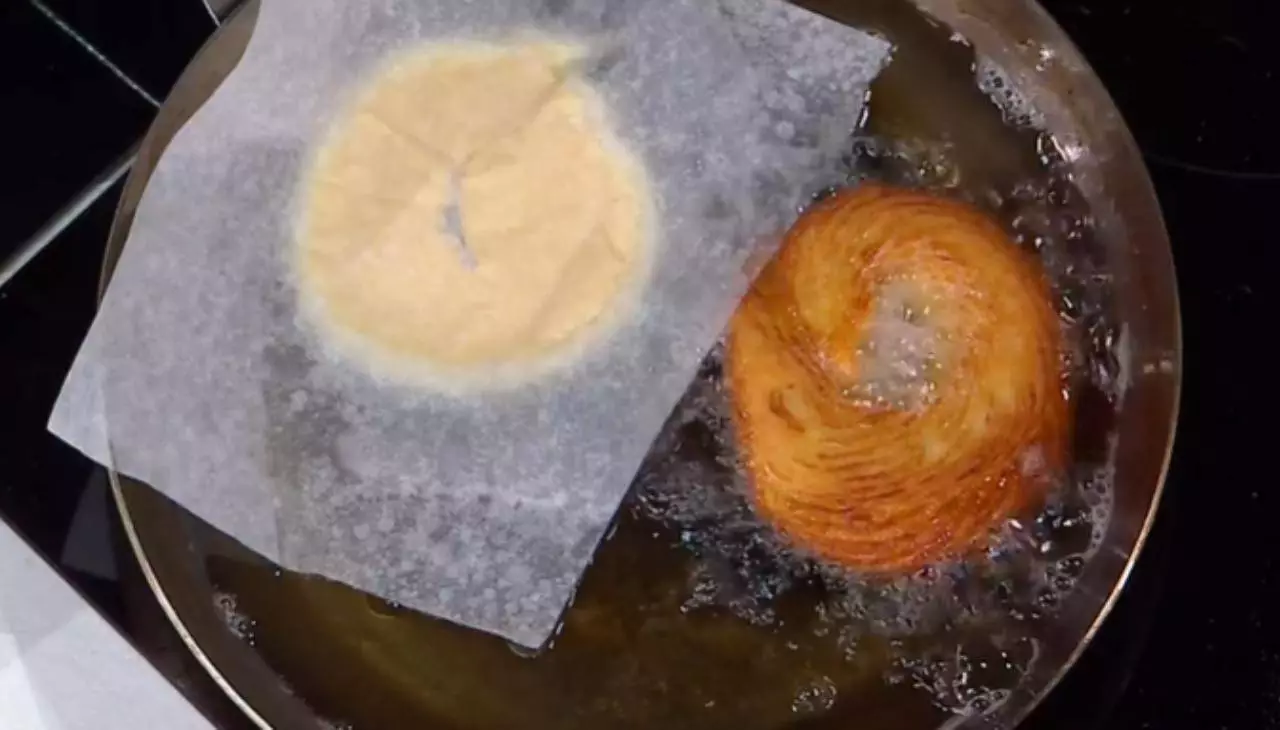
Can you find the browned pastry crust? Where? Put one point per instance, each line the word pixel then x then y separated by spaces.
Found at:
pixel 896 381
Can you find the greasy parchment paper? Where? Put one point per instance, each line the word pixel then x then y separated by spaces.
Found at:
pixel 199 377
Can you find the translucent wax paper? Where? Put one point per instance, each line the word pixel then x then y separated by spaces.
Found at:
pixel 484 508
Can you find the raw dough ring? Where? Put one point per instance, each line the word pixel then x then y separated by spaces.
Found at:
pixel 877 484
pixel 472 216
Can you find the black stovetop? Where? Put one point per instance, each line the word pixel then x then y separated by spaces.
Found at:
pixel 1192 643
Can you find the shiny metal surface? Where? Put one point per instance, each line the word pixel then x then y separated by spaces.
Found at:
pixel 181 558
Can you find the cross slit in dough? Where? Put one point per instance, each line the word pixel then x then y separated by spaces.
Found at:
pixel 473 212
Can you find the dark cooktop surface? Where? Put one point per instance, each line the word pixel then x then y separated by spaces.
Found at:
pixel 1193 642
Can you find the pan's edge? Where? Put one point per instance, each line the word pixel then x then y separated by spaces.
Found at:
pixel 983 23
pixel 166 605
pixel 969 18
pixel 239 23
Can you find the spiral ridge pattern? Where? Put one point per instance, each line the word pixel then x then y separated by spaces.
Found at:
pixel 896 380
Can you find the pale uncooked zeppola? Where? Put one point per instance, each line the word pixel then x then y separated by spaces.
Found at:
pixel 472 214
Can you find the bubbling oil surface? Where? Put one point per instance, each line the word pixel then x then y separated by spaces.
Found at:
pixel 962 634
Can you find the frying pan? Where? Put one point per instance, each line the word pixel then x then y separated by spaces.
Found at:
pixel 295 652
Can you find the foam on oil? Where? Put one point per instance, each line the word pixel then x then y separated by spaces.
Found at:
pixel 961 634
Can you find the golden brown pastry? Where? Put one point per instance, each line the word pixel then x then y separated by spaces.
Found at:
pixel 896 382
